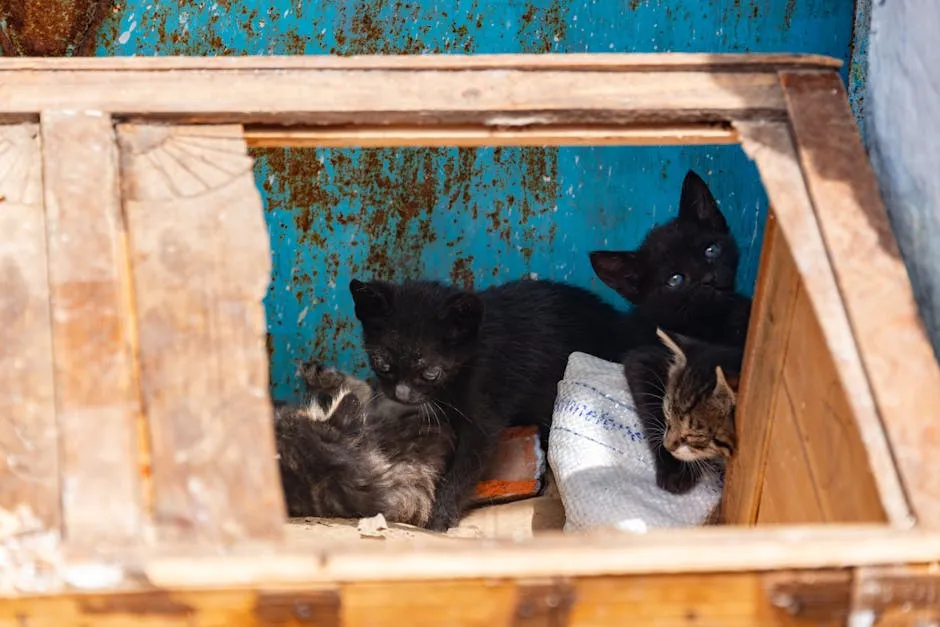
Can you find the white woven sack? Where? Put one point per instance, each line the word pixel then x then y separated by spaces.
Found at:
pixel 602 462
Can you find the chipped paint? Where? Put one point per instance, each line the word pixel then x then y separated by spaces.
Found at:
pixel 473 216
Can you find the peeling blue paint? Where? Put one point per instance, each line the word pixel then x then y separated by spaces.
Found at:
pixel 486 215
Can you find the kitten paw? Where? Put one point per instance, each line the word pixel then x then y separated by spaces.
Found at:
pixel 442 519
pixel 676 480
pixel 321 379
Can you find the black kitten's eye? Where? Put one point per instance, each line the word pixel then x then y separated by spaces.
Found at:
pixel 432 373
pixel 713 250
pixel 379 363
pixel 675 280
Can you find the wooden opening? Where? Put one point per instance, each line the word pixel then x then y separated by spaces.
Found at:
pixel 126 186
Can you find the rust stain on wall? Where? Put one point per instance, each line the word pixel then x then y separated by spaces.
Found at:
pixel 48 28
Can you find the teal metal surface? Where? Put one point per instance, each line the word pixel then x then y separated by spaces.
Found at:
pixel 472 216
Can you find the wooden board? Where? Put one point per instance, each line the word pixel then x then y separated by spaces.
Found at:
pixel 838 462
pixel 466 137
pixel 726 599
pixel 28 437
pixel 788 492
pixel 573 62
pixel 770 146
pixel 899 362
pixel 97 397
pixel 491 98
pixel 765 352
pixel 201 265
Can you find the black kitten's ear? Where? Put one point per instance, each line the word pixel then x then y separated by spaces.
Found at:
pixel 696 204
pixel 620 270
pixel 679 358
pixel 372 299
pixel 463 312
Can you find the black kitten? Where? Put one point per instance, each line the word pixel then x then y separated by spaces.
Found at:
pixel 683 390
pixel 486 360
pixel 682 275
pixel 352 454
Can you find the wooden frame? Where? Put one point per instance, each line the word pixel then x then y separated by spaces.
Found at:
pixel 126 185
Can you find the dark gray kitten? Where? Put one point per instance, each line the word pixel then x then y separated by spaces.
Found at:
pixel 350 453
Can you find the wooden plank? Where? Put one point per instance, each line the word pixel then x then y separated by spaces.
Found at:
pixel 637 62
pixel 765 351
pixel 440 136
pixel 729 599
pixel 489 98
pixel 428 604
pixel 698 550
pixel 28 437
pixel 897 596
pixel 97 397
pixel 789 492
pixel 201 266
pixel 901 367
pixel 834 449
pixel 770 146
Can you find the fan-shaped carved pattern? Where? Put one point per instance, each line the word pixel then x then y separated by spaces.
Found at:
pixel 171 162
pixel 28 443
pixel 201 264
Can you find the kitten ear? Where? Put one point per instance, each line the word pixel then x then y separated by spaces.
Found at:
pixel 696 204
pixel 463 313
pixel 620 270
pixel 721 384
pixel 372 299
pixel 673 346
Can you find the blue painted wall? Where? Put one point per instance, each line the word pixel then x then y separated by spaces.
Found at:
pixel 474 216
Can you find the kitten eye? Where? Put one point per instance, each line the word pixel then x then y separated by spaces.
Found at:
pixel 379 363
pixel 432 373
pixel 675 281
pixel 713 250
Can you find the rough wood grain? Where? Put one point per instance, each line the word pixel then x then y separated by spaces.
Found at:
pixel 770 146
pixel 28 437
pixel 897 595
pixel 838 462
pixel 201 265
pixel 638 62
pixel 789 494
pixel 899 362
pixel 97 398
pixel 727 599
pixel 698 550
pixel 450 136
pixel 765 352
pixel 489 98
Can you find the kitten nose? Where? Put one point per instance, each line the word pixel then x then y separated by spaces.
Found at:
pixel 709 278
pixel 402 392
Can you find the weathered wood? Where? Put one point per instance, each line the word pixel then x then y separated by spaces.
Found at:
pixel 837 458
pixel 488 98
pixel 788 490
pixel 382 137
pixel 28 437
pixel 897 596
pixel 768 334
pixel 771 148
pixel 573 62
pixel 898 360
pixel 201 266
pixel 97 397
pixel 818 598
pixel 705 549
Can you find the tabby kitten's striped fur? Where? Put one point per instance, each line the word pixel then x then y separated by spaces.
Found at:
pixel 686 404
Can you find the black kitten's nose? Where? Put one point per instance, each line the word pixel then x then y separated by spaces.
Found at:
pixel 709 278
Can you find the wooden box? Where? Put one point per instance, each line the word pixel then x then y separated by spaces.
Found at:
pixel 138 481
